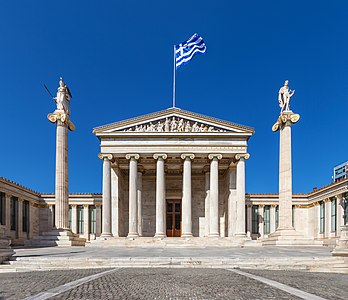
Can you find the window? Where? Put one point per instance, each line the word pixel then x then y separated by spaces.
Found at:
pixel 276 217
pixel 266 220
pixel 255 219
pixel 333 214
pixel 321 217
pixel 92 219
pixel 14 210
pixel 2 208
pixel 54 215
pixel 25 212
pixel 293 216
pixel 80 219
pixel 69 216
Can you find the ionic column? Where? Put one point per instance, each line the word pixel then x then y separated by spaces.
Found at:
pixel 340 213
pixel 98 220
pixel 133 214
pixel 272 218
pixel 106 222
pixel 261 221
pixel 214 194
pixel 86 220
pixel 31 220
pixel 74 218
pixel 232 202
pixel 140 205
pixel 160 196
pixel 240 216
pixel 187 196
pixel 207 203
pixel 283 124
pixel 249 219
pixel 20 218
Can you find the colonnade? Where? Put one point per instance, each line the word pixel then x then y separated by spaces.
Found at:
pixel 236 200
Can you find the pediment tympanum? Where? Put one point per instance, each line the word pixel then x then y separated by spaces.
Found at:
pixel 172 120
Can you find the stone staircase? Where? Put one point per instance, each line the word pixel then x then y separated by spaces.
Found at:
pixel 172 242
pixel 311 264
pixel 56 237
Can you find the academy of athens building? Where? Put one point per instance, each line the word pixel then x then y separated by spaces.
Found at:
pixel 166 175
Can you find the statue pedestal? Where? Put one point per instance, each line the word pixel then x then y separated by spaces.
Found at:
pixel 5 249
pixel 341 248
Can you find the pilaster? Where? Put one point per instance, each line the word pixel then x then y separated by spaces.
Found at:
pixel 86 221
pixel 74 218
pixel 261 220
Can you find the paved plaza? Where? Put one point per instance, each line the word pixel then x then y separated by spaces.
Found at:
pixel 159 283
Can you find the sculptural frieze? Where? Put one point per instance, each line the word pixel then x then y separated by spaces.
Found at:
pixel 174 124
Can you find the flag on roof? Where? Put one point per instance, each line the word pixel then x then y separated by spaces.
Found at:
pixel 185 51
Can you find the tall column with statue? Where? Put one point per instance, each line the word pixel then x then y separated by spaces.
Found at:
pixel 61 117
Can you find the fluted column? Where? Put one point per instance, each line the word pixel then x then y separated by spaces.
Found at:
pixel 207 203
pixel 98 220
pixel 8 213
pixel 187 196
pixel 327 217
pixel 140 204
pixel 62 188
pixel 20 219
pixel 74 218
pixel 106 222
pixel 160 196
pixel 133 214
pixel 232 202
pixel 249 219
pixel 240 185
pixel 261 220
pixel 214 194
pixel 86 221
pixel 272 218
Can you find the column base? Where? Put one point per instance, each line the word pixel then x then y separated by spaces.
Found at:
pixel 214 235
pixel 289 237
pixel 240 235
pixel 132 235
pixel 187 235
pixel 160 236
pixel 106 235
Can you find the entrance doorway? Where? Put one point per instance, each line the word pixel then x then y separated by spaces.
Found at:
pixel 173 217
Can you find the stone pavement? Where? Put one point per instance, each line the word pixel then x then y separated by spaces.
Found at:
pixel 160 283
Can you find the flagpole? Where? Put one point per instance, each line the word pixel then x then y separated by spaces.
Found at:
pixel 174 74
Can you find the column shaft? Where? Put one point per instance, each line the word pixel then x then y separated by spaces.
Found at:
pixel 62 188
pixel 106 226
pixel 285 178
pixel 74 218
pixel 327 218
pixel 98 220
pixel 249 220
pixel 20 219
pixel 272 219
pixel 187 197
pixel 86 221
pixel 261 221
pixel 133 224
pixel 160 196
pixel 140 206
pixel 8 214
pixel 240 216
pixel 214 196
pixel 207 203
pixel 232 202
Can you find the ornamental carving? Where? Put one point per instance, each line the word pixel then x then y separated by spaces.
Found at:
pixel 285 119
pixel 174 124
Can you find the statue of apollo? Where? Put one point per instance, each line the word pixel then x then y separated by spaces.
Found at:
pixel 284 96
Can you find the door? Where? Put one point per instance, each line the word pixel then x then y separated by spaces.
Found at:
pixel 173 217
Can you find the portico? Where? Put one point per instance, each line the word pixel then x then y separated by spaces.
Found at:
pixel 174 173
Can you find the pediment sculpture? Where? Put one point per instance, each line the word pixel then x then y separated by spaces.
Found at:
pixel 174 124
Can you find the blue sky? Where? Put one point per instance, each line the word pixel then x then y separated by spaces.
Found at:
pixel 117 59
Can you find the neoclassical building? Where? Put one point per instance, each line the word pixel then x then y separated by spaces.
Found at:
pixel 170 174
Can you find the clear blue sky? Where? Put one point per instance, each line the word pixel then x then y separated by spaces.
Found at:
pixel 117 59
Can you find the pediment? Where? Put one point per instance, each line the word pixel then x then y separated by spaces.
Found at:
pixel 173 120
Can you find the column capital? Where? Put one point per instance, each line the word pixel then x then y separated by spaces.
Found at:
pixel 8 196
pixel 249 205
pixel 20 200
pixel 327 200
pixel 285 119
pixel 85 205
pixel 215 155
pixel 187 155
pixel 132 155
pixel 97 205
pixel 261 205
pixel 103 156
pixel 243 156
pixel 274 205
pixel 73 205
pixel 160 155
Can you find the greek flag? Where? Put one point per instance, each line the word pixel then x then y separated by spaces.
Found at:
pixel 186 50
